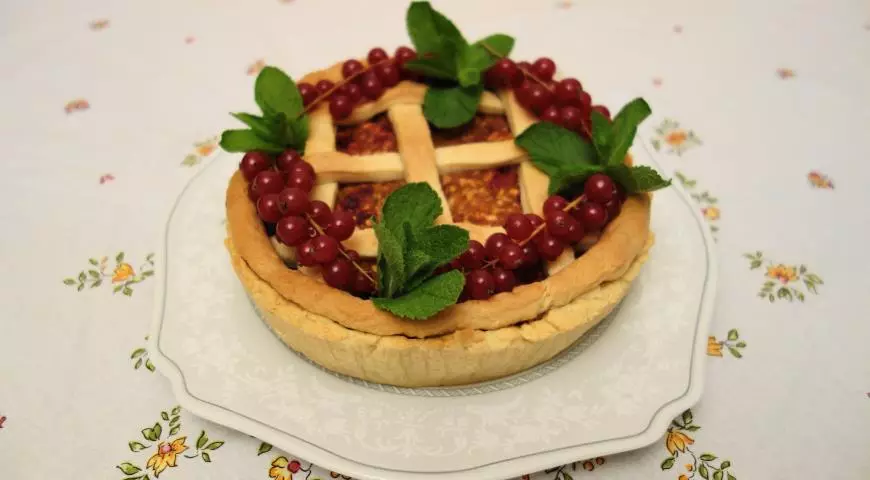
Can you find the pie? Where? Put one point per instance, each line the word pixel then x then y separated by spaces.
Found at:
pixel 483 180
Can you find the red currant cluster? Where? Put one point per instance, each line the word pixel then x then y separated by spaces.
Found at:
pixel 529 238
pixel 280 188
pixel 360 84
pixel 564 103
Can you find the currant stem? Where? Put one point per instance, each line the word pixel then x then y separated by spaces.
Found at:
pixel 525 71
pixel 323 96
pixel 320 231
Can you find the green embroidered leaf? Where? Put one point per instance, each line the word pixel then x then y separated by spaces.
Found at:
pixel 127 291
pixel 552 147
pixel 206 457
pixel 82 276
pixel 499 43
pixel 174 420
pixel 93 261
pixel 150 434
pixel 733 335
pixel 735 352
pixel 431 32
pixel 725 464
pixel 717 475
pixel 428 299
pixel 693 428
pixel 164 416
pixel 707 457
pixel 97 283
pixel 69 281
pixel 702 470
pixel 137 364
pixel 687 417
pixel 176 410
pixel 741 345
pixel 201 440
pixel 135 446
pixel 158 430
pixel 731 477
pixel 668 463
pixel 128 468
pixel 174 430
pixel 451 107
pixel 264 447
pixel 625 129
pixel 275 92
pixel 214 445
pixel 246 141
pixel 119 257
pixel 149 365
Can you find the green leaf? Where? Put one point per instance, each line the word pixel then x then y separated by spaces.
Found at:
pixel 429 298
pixel 717 475
pixel 707 457
pixel 82 276
pixel 136 446
pixel 94 262
pixel 206 457
pixel 569 175
pixel 668 463
pixel 94 273
pixel 97 283
pixel 174 420
pixel 552 147
pixel 430 67
pixel 119 257
pixel 80 287
pixel 137 364
pixel 625 129
pixel 735 352
pixel 174 430
pixel 687 417
pixel 190 160
pixel 731 477
pixel 127 291
pixel 264 447
pixel 702 470
pixel 431 248
pixel 276 93
pixel 725 464
pixel 451 107
pixel 637 179
pixel 246 141
pixel 149 434
pixel 733 335
pixel 158 430
pixel 149 258
pixel 472 62
pixel 176 410
pixel 566 476
pixel 391 261
pixel 214 445
pixel 262 128
pixel 201 440
pixel 128 468
pixel 69 281
pixel 741 344
pixel 149 365
pixel 500 43
pixel 623 175
pixel 414 203
pixel 693 428
pixel 164 416
pixel 431 32
pixel 601 133
pixel 295 133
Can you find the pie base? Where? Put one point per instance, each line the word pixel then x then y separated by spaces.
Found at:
pixel 458 358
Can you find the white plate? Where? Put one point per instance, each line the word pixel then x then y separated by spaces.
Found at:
pixel 616 390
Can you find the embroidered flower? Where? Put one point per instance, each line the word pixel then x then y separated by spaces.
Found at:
pixel 676 138
pixel 78 104
pixel 122 272
pixel 711 213
pixel 677 441
pixel 783 273
pixel 714 348
pixel 166 455
pixel 820 180
pixel 283 469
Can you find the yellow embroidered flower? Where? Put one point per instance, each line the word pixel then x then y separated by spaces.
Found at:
pixel 785 73
pixel 714 348
pixel 711 213
pixel 677 441
pixel 689 467
pixel 122 272
pixel 283 469
pixel 166 455
pixel 77 104
pixel 682 477
pixel 819 180
pixel 676 138
pixel 205 149
pixel 783 273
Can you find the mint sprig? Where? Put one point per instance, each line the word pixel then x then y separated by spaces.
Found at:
pixel 283 123
pixel 444 54
pixel 410 249
pixel 569 159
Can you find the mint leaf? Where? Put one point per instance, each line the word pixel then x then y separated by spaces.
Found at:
pixel 647 179
pixel 451 107
pixel 294 132
pixel 276 93
pixel 429 298
pixel 431 67
pixel 600 134
pixel 431 32
pixel 552 148
pixel 262 127
pixel 414 203
pixel 567 176
pixel 472 62
pixel 622 175
pixel 500 43
pixel 391 262
pixel 624 129
pixel 246 141
pixel 430 249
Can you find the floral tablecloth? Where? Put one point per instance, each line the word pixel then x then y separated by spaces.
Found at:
pixel 111 107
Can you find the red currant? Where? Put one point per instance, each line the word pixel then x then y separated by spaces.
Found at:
pixel 554 203
pixel 308 92
pixel 474 256
pixel 535 220
pixel 320 212
pixel 575 231
pixel 342 225
pixel 480 284
pixel 530 254
pixel 549 246
pixel 325 249
pixel 351 67
pixel 377 55
pixel 584 100
pixel 293 201
pixel 571 118
pixel 559 224
pixel 568 92
pixel 324 86
pixel 518 226
pixel 268 208
pixel 361 283
pixel 267 182
pixel 302 167
pixel 534 97
pixel 613 208
pixel 403 55
pixel 504 280
pixel 494 244
pixel 511 256
pixel 598 188
pixel 552 115
pixel 305 254
pixel 353 255
pixel 602 110
pixel 286 159
pixel 352 91
pixel 340 107
pixel 388 74
pixel 292 230
pixel 524 67
pixel 301 180
pixel 503 74
pixel 371 86
pixel 338 274
pixel 253 163
pixel 252 194
pixel 544 68
pixel 592 215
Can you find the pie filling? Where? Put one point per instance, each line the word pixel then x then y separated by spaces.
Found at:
pixel 482 128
